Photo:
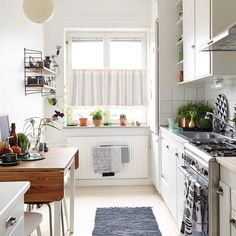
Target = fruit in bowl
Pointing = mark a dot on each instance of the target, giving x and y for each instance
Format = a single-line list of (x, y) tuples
[(16, 149), (5, 148)]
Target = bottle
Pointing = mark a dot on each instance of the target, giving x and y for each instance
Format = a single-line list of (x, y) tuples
[(13, 136)]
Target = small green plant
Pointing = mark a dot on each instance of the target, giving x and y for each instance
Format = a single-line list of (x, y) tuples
[(97, 114)]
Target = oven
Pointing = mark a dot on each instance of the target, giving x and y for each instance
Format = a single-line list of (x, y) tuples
[(202, 170)]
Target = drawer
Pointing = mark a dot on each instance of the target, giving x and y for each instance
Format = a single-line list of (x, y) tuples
[(233, 199), (12, 216), (18, 229)]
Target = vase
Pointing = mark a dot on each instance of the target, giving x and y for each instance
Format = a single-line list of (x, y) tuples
[(34, 144)]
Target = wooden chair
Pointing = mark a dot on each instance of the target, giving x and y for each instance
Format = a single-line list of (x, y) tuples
[(32, 222)]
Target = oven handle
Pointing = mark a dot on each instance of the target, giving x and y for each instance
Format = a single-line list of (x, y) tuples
[(183, 169)]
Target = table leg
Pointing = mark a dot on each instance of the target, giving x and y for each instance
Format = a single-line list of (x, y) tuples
[(72, 196), (57, 218)]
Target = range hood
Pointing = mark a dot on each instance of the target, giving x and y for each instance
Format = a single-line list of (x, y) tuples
[(225, 41)]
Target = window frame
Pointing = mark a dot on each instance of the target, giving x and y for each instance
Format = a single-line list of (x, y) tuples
[(106, 35)]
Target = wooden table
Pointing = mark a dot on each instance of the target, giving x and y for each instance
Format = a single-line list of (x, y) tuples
[(46, 179)]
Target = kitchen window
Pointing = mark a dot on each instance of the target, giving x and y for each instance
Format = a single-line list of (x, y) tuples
[(107, 70)]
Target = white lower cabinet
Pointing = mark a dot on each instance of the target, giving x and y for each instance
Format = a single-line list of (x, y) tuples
[(155, 173), (227, 202), (168, 176), (172, 178)]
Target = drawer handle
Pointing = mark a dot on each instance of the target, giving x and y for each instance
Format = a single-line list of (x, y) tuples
[(232, 221), (11, 221), (220, 190)]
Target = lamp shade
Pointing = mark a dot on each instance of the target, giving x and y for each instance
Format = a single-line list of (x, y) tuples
[(38, 11)]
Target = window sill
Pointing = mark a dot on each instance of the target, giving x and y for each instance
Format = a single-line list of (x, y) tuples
[(113, 130)]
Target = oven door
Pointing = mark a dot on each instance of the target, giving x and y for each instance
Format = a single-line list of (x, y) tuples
[(194, 185)]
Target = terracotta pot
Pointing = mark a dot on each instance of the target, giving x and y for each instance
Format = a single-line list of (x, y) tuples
[(83, 121), (183, 122), (97, 122)]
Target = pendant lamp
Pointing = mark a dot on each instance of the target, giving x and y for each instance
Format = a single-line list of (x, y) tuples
[(38, 11)]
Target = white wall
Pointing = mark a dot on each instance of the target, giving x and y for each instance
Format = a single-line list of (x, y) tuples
[(90, 14), (17, 32)]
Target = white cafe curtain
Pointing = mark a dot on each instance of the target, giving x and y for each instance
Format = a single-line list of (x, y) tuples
[(108, 87)]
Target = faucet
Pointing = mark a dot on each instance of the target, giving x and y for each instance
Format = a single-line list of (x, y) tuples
[(214, 116)]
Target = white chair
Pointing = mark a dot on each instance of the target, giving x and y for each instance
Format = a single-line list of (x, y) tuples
[(32, 221)]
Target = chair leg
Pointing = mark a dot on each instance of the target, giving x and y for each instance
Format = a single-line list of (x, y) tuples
[(62, 221), (50, 217), (39, 231), (66, 211)]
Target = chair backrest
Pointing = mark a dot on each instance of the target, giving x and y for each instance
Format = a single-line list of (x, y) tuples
[(32, 221)]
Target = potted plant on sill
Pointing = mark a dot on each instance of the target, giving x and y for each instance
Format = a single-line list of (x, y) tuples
[(97, 117), (83, 121)]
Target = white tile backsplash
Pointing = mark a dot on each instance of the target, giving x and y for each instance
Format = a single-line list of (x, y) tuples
[(172, 98), (200, 94), (177, 94), (190, 94), (165, 106), (175, 105), (165, 94)]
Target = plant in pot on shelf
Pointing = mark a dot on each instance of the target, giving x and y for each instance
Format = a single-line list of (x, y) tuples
[(97, 117)]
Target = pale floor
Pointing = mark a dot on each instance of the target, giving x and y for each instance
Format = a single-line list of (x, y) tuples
[(89, 198)]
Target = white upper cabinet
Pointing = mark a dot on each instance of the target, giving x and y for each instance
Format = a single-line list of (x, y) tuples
[(203, 19), (202, 35), (189, 41)]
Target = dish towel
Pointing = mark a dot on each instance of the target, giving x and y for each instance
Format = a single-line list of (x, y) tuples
[(195, 208), (101, 159), (106, 159)]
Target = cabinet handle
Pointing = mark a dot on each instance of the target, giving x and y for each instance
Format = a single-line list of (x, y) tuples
[(220, 190), (177, 154), (211, 41), (167, 146), (232, 221), (193, 46), (11, 221)]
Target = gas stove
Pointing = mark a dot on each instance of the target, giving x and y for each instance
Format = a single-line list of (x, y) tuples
[(217, 148)]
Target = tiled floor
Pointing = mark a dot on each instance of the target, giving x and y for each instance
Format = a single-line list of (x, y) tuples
[(89, 198)]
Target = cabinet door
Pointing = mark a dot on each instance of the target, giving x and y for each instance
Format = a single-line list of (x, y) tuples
[(202, 35), (225, 210), (180, 189), (188, 42), (168, 180), (155, 161)]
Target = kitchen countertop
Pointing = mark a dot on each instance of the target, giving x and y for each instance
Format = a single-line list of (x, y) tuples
[(227, 162)]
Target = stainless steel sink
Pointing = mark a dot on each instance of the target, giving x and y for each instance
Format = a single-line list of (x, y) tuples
[(202, 135)]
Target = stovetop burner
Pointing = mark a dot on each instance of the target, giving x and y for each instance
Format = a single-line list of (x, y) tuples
[(217, 147)]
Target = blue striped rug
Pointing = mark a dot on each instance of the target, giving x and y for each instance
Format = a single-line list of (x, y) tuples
[(125, 221)]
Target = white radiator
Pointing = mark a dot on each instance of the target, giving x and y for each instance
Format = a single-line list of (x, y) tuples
[(138, 150)]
